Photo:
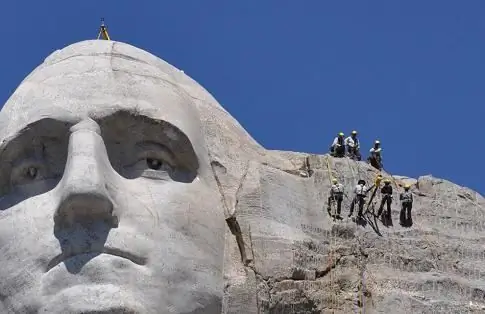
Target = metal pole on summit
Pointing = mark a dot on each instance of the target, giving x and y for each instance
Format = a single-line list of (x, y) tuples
[(103, 31)]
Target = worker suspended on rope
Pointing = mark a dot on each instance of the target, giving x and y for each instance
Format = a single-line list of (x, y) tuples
[(360, 192), (386, 194), (336, 196), (375, 158), (338, 146), (406, 199), (353, 146)]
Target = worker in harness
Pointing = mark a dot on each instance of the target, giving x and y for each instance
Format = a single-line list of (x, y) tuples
[(386, 198), (337, 196), (360, 192), (338, 146), (406, 199), (375, 158), (353, 145)]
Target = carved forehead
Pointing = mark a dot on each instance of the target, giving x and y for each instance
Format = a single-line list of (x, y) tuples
[(95, 79)]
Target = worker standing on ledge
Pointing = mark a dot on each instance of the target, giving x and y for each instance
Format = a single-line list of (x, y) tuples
[(336, 195), (375, 158), (338, 146), (386, 192), (353, 146), (406, 199), (360, 193)]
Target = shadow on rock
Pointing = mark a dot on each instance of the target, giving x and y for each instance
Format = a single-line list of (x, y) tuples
[(360, 220), (80, 244), (406, 222), (387, 220), (26, 192), (372, 220)]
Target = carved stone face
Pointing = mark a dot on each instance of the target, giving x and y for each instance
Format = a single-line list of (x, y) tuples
[(108, 199)]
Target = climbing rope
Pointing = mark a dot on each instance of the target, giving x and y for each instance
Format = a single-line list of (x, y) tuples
[(362, 279), (330, 176), (420, 226), (333, 241), (456, 207), (366, 273)]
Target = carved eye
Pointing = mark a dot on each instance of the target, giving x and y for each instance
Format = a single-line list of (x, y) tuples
[(154, 164), (149, 160), (27, 172), (31, 172)]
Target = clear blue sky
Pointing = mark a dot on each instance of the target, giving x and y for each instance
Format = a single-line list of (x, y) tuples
[(294, 73)]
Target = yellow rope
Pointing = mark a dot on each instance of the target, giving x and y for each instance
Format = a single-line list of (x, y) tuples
[(330, 257), (329, 169)]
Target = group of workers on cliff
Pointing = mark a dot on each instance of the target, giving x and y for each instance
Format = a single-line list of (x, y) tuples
[(360, 197), (349, 147)]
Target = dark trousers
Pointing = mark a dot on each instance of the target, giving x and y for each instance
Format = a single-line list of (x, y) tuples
[(375, 162), (338, 199), (353, 153), (386, 199), (360, 200), (406, 211), (338, 151)]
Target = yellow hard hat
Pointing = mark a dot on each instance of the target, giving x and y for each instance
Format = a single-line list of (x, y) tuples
[(334, 180), (387, 180), (407, 186), (341, 134), (354, 132)]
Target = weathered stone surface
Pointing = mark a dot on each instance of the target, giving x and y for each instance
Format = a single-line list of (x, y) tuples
[(277, 251)]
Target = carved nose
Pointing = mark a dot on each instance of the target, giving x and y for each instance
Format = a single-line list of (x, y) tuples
[(83, 192)]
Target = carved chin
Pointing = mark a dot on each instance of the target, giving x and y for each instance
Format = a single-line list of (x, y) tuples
[(93, 299)]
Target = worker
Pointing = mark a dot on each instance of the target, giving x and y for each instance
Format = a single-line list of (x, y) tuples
[(386, 198), (360, 192), (375, 158), (406, 199), (338, 146), (353, 145), (336, 195)]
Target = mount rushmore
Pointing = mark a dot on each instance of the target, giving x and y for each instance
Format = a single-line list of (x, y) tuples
[(127, 188)]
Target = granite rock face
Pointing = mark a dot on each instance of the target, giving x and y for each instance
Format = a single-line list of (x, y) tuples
[(301, 261), (264, 242)]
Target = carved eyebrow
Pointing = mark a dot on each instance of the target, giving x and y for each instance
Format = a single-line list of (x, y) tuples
[(32, 135), (31, 142)]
